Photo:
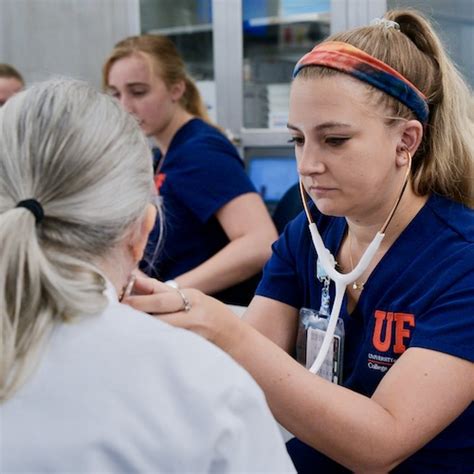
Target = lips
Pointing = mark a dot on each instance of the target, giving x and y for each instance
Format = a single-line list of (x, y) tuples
[(317, 189)]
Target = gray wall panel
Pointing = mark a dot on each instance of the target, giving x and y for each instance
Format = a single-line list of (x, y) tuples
[(66, 37)]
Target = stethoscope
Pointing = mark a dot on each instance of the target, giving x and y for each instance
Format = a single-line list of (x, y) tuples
[(341, 280)]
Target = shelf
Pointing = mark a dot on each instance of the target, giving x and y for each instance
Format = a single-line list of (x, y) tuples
[(266, 21), (180, 30), (303, 18)]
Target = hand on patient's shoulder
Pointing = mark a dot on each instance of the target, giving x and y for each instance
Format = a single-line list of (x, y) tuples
[(188, 309)]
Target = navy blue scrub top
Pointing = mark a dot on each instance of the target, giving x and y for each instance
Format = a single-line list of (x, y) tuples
[(421, 294), (200, 173)]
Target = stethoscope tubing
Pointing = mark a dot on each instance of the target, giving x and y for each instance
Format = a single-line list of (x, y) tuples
[(341, 280)]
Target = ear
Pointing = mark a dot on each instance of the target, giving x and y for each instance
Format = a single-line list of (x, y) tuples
[(137, 247), (177, 90), (410, 138)]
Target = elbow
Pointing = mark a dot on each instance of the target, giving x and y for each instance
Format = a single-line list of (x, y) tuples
[(377, 462), (267, 236), (263, 245), (258, 251)]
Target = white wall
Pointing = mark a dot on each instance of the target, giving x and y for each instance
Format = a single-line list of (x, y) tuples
[(67, 37)]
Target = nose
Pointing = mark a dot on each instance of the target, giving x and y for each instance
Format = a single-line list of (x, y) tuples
[(126, 103), (309, 161)]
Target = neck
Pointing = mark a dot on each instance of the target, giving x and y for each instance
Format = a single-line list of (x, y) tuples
[(363, 231), (116, 272), (165, 136)]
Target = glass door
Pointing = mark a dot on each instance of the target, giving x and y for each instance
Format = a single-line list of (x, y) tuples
[(189, 25), (276, 33)]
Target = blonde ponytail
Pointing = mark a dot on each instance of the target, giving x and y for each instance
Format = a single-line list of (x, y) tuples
[(192, 101), (444, 162), (447, 164)]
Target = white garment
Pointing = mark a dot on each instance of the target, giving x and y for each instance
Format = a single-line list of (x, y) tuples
[(125, 392)]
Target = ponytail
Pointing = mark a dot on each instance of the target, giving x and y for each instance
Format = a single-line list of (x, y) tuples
[(447, 164), (444, 162), (37, 289), (192, 101), (70, 148)]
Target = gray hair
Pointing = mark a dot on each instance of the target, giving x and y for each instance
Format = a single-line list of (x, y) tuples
[(86, 161)]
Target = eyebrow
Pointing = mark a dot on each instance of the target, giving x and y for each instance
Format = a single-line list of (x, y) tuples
[(323, 126), (129, 84)]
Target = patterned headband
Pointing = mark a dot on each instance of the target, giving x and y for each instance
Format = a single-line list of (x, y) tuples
[(351, 60)]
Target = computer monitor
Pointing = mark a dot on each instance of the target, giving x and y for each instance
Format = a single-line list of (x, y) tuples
[(272, 172)]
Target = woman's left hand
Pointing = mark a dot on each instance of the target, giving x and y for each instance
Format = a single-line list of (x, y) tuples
[(187, 308)]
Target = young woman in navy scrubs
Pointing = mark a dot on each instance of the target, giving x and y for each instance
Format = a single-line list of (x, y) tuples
[(367, 106), (218, 232)]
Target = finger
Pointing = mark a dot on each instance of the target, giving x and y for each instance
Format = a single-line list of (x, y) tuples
[(158, 303), (149, 286)]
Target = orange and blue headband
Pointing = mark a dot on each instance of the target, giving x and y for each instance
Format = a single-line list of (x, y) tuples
[(357, 63)]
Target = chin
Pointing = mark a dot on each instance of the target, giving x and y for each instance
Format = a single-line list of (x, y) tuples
[(329, 208)]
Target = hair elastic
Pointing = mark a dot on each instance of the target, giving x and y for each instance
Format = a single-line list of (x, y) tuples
[(384, 23), (34, 207), (353, 61)]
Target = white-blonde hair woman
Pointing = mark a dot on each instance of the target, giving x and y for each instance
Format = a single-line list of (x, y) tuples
[(88, 384)]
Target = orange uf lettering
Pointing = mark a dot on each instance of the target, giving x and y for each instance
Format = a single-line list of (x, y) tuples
[(401, 330), (159, 180), (382, 345)]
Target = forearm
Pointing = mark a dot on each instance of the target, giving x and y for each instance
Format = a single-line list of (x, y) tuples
[(350, 428), (422, 393), (238, 260)]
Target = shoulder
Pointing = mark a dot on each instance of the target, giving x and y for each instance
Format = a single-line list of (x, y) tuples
[(176, 351), (212, 403), (123, 348), (200, 136), (454, 216), (139, 387)]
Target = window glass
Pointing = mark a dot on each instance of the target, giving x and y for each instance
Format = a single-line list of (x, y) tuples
[(276, 34)]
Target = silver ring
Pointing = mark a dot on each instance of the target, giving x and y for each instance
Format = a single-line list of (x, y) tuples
[(186, 303)]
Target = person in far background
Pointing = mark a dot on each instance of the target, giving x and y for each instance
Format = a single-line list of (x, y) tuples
[(218, 233), (11, 82)]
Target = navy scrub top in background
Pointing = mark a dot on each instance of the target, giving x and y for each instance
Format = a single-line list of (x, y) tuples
[(424, 284), (200, 173)]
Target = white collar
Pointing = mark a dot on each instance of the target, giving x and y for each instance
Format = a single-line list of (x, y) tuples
[(110, 291)]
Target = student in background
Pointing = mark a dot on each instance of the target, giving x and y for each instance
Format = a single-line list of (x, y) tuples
[(11, 82), (218, 232), (381, 123), (88, 384)]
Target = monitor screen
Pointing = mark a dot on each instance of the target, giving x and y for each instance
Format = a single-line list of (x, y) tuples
[(272, 175)]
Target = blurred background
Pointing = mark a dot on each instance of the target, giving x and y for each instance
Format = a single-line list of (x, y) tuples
[(241, 52)]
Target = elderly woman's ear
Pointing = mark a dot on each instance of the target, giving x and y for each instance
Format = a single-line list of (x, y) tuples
[(139, 235)]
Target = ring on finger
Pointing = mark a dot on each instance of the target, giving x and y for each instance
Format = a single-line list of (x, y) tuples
[(186, 303)]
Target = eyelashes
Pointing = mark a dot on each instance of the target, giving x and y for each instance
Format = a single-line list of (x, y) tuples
[(330, 140)]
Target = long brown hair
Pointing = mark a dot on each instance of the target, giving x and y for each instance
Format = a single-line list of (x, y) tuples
[(166, 63), (444, 162)]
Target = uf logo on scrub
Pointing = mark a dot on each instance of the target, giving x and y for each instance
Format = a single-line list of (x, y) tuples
[(159, 180), (383, 337)]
